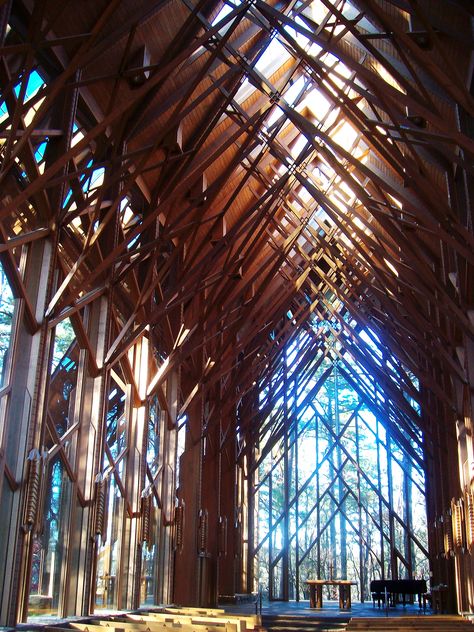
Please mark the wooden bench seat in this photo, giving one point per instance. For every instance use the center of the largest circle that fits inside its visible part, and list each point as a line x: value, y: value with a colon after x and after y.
x: 243, y: 622
x: 150, y: 626
x: 219, y: 622
x: 252, y: 620
x: 240, y: 624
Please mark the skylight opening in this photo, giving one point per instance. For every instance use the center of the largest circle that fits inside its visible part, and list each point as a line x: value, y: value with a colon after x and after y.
x: 127, y: 213
x: 72, y: 207
x: 224, y: 12
x: 295, y: 207
x: 330, y: 61
x: 77, y: 226
x: 32, y: 111
x: 341, y: 71
x: 97, y: 178
x: 317, y: 104
x: 34, y: 84
x: 360, y: 224
x: 78, y: 135
x: 304, y: 195
x: 301, y: 39
x: 133, y: 242
x: 337, y: 201
x: 67, y: 198
x: 319, y: 177
x: 298, y: 145
x: 274, y: 56
x: 243, y: 93
x: 226, y: 9
x: 345, y: 135
x: 348, y: 240
x: 293, y: 92
x: 275, y: 114
x: 318, y: 217
x: 318, y: 11
x: 361, y: 153
x: 349, y: 194
x: 39, y: 155
x: 303, y: 242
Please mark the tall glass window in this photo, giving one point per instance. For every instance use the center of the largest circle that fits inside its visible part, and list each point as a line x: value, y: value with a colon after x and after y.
x: 154, y: 474
x: 108, y: 557
x: 340, y: 491
x: 7, y: 321
x: 50, y: 540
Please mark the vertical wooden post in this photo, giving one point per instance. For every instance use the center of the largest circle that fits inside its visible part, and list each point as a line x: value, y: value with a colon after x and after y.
x: 340, y: 485
x: 188, y: 581
x: 252, y: 509
x: 318, y: 509
x: 168, y: 431
x: 286, y: 486
x: 362, y: 569
x: 297, y: 491
x: 229, y: 551
x: 22, y: 432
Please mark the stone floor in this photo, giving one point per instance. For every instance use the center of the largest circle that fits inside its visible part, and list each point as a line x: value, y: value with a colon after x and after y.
x: 330, y: 609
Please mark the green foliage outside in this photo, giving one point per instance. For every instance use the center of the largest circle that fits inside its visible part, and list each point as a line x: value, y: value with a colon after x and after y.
x: 64, y: 336
x: 7, y: 308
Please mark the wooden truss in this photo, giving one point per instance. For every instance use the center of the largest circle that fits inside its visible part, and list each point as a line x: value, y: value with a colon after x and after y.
x: 215, y: 176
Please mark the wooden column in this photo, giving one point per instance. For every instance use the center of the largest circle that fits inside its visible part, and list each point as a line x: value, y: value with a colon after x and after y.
x: 208, y: 551
x: 186, y: 576
x: 228, y: 550
x: 89, y: 411
x: 22, y: 432
x: 168, y: 432
x: 135, y: 471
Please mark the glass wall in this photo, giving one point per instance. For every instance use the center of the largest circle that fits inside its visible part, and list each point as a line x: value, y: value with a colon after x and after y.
x: 340, y: 491
x: 50, y: 545
x: 7, y: 324
x: 109, y: 550
x: 108, y: 555
x: 151, y: 513
x: 51, y: 532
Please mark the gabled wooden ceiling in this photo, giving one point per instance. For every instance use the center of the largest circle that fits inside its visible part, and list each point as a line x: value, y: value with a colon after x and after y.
x: 235, y: 169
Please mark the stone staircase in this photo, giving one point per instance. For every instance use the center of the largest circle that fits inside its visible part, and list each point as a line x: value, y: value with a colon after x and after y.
x: 303, y: 623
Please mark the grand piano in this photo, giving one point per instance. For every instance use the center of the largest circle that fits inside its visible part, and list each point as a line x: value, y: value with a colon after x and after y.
x: 393, y: 589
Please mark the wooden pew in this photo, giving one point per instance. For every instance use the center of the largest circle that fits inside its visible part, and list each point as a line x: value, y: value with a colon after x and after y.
x: 239, y: 622
x: 159, y: 626
x: 252, y: 620
x: 245, y: 622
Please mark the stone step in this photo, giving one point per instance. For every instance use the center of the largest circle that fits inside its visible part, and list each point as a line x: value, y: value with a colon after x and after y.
x: 295, y: 623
